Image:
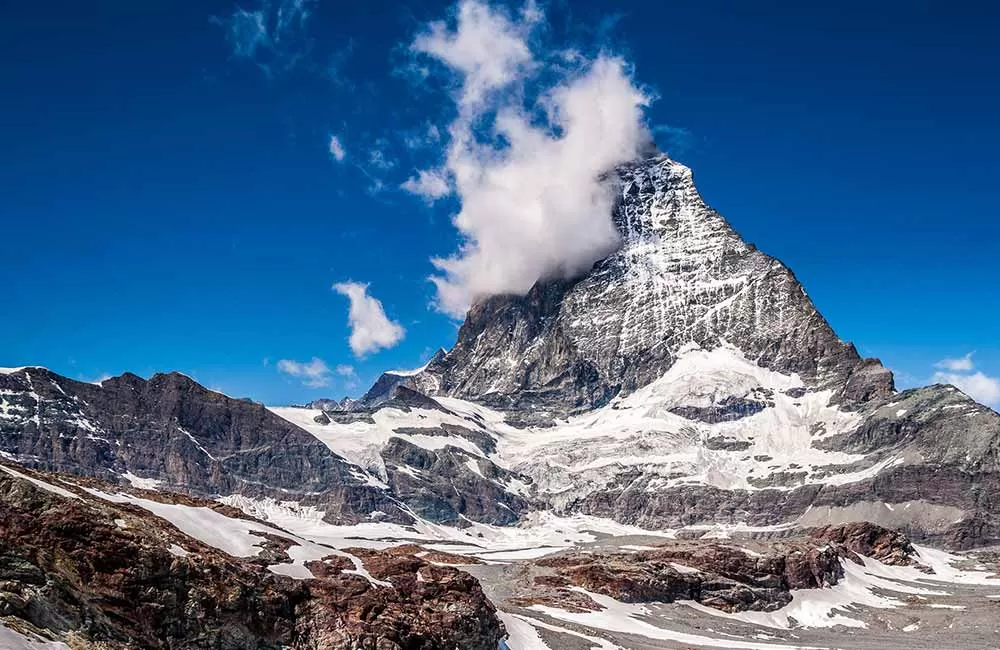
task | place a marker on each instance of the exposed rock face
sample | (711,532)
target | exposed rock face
(385,386)
(177,434)
(864,538)
(682,275)
(112,574)
(442,485)
(756,576)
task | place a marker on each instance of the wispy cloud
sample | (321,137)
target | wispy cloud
(960,364)
(959,372)
(336,149)
(273,35)
(529,174)
(380,157)
(314,373)
(418,139)
(429,184)
(371,329)
(675,140)
(99,380)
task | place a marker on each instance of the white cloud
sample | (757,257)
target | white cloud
(371,329)
(379,157)
(272,35)
(534,204)
(314,373)
(487,48)
(344,370)
(977,385)
(980,387)
(430,184)
(961,364)
(337,149)
(416,140)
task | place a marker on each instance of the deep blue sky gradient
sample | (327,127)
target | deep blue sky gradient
(165,205)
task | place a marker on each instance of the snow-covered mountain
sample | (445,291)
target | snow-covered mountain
(685,388)
(682,277)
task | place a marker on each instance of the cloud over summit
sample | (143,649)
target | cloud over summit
(961,372)
(534,133)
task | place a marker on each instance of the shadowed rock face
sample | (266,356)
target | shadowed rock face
(171,430)
(864,538)
(682,275)
(385,386)
(113,574)
(441,485)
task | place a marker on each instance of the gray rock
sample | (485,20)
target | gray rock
(682,275)
(173,431)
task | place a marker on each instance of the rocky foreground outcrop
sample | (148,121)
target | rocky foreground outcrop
(97,574)
(748,576)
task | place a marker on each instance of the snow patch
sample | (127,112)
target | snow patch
(177,551)
(633,619)
(48,487)
(238,537)
(360,442)
(11,639)
(142,483)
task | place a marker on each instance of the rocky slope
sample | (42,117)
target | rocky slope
(92,567)
(174,434)
(749,576)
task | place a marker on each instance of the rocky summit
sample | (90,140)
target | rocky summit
(682,276)
(674,449)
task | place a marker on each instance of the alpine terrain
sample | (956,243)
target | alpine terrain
(674,450)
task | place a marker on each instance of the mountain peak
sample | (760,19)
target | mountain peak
(682,276)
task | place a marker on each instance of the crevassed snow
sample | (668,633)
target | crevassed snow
(640,431)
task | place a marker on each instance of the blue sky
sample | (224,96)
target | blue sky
(170,199)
